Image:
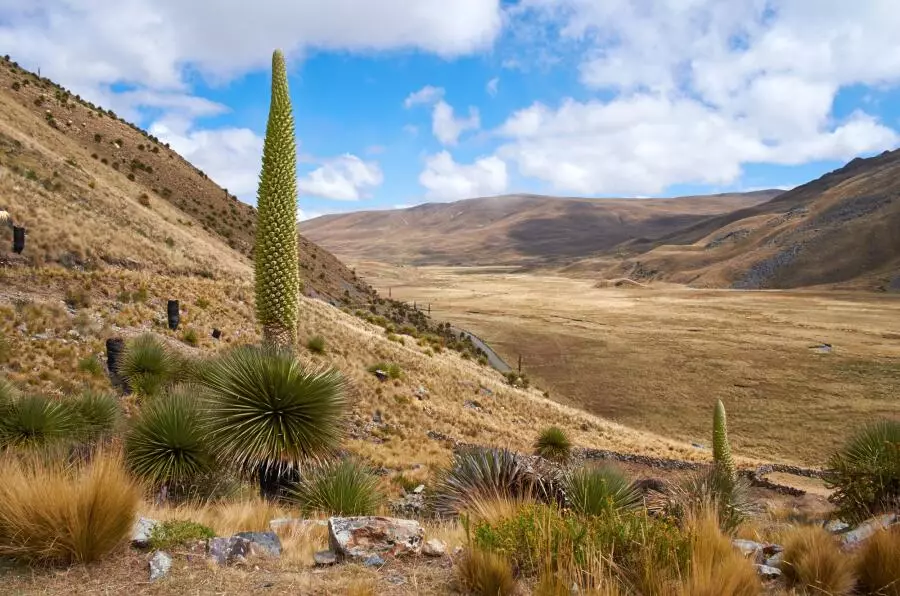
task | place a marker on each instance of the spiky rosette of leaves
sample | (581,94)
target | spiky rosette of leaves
(265,408)
(600,490)
(721,449)
(345,487)
(148,365)
(35,421)
(99,413)
(167,442)
(553,444)
(276,260)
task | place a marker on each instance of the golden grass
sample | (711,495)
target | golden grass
(484,573)
(878,563)
(658,358)
(56,515)
(814,564)
(716,567)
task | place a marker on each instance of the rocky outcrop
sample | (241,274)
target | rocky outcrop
(360,538)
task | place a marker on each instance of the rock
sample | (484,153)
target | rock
(647,485)
(160,563)
(485,391)
(376,417)
(419,489)
(381,375)
(748,548)
(361,537)
(434,548)
(867,529)
(325,558)
(420,392)
(265,543)
(410,505)
(245,544)
(472,405)
(294,523)
(775,560)
(140,532)
(374,561)
(837,526)
(767,572)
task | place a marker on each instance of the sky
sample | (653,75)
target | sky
(400,102)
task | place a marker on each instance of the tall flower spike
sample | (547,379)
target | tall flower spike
(721,449)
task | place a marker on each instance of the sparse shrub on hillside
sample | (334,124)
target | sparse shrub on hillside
(92,366)
(391,369)
(276,265)
(316,344)
(77,298)
(266,410)
(16,85)
(600,490)
(709,489)
(878,563)
(865,473)
(485,573)
(814,564)
(202,303)
(345,487)
(176,532)
(148,365)
(98,137)
(57,514)
(553,444)
(516,379)
(131,177)
(167,442)
(190,337)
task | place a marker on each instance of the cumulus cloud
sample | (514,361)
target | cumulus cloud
(447,128)
(345,178)
(427,95)
(447,180)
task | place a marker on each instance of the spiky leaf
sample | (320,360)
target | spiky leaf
(276,260)
(148,365)
(601,490)
(99,413)
(345,487)
(553,444)
(36,421)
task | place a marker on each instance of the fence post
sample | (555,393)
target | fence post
(18,240)
(520,364)
(174,315)
(114,348)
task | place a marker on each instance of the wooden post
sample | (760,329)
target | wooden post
(520,364)
(389,292)
(429,309)
(174,314)
(18,240)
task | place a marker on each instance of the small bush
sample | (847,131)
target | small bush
(5,350)
(601,490)
(483,573)
(171,533)
(316,344)
(144,199)
(391,369)
(202,303)
(878,563)
(36,421)
(813,563)
(77,298)
(553,444)
(99,414)
(98,137)
(148,366)
(53,514)
(190,337)
(865,473)
(92,366)
(343,488)
(710,489)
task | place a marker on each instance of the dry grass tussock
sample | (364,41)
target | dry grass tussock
(716,567)
(814,564)
(53,514)
(878,563)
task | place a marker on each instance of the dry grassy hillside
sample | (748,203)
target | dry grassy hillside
(94,191)
(516,229)
(843,228)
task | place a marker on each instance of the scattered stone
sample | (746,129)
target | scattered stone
(325,558)
(266,543)
(160,563)
(775,560)
(748,548)
(472,405)
(767,572)
(140,532)
(434,548)
(867,529)
(397,580)
(419,489)
(374,561)
(837,526)
(420,392)
(822,348)
(295,523)
(381,375)
(697,446)
(458,551)
(376,417)
(485,391)
(361,537)
(411,505)
(240,546)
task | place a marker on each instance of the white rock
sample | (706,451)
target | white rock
(361,537)
(434,548)
(160,564)
(140,532)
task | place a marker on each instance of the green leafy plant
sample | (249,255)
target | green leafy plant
(391,369)
(190,337)
(91,365)
(709,489)
(600,490)
(316,344)
(277,271)
(553,444)
(265,409)
(175,532)
(345,487)
(148,365)
(167,442)
(865,473)
(35,421)
(99,413)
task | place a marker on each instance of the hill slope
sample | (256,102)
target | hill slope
(94,191)
(516,229)
(843,228)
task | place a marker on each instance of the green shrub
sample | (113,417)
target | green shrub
(346,487)
(711,489)
(77,298)
(190,337)
(265,408)
(553,444)
(167,442)
(600,490)
(865,473)
(92,366)
(148,365)
(36,421)
(391,369)
(202,303)
(99,414)
(516,379)
(316,344)
(168,534)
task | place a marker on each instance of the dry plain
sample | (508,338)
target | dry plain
(657,358)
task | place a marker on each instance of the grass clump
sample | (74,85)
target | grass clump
(316,344)
(190,337)
(36,421)
(600,490)
(865,473)
(553,444)
(716,568)
(92,366)
(54,514)
(99,414)
(878,563)
(345,487)
(148,366)
(171,533)
(391,369)
(485,573)
(814,564)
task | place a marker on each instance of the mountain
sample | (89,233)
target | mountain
(94,192)
(513,229)
(841,229)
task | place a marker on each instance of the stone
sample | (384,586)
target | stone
(374,561)
(419,489)
(775,560)
(434,548)
(412,504)
(140,532)
(748,548)
(420,392)
(381,375)
(358,538)
(472,405)
(837,526)
(160,563)
(264,543)
(295,523)
(867,529)
(767,572)
(324,558)
(227,550)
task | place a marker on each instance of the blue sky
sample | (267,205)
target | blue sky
(399,102)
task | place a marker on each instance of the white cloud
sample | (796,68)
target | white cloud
(492,86)
(345,178)
(446,180)
(375,149)
(427,95)
(411,130)
(447,127)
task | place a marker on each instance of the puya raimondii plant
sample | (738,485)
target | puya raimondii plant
(276,261)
